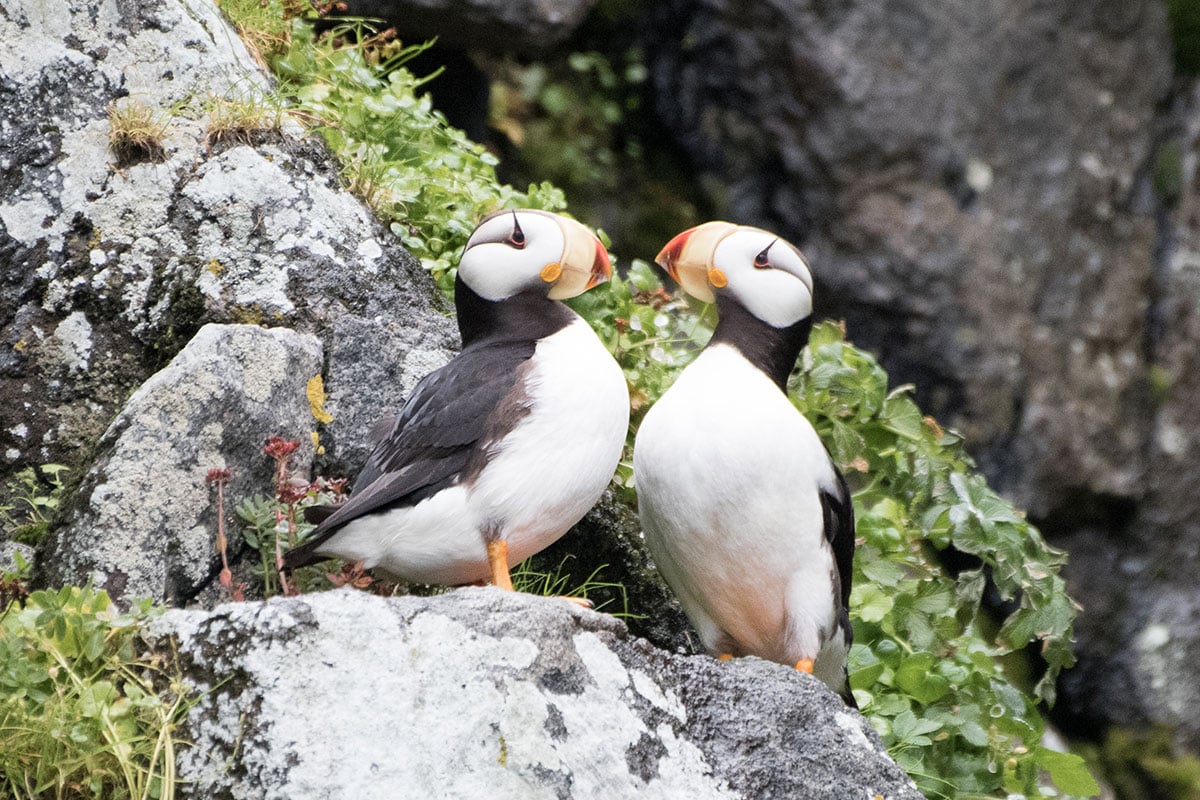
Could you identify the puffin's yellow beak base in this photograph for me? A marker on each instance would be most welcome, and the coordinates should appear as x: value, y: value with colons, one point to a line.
x: 584, y: 262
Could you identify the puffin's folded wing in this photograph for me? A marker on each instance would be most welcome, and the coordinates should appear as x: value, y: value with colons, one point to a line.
x: 443, y: 432
x: 838, y: 511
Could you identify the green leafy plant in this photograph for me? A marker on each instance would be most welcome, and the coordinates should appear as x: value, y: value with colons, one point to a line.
x: 926, y: 662
x: 36, y: 493
x: 83, y: 712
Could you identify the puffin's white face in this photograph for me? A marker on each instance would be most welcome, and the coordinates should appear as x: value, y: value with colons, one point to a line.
x: 513, y: 251
x: 765, y: 274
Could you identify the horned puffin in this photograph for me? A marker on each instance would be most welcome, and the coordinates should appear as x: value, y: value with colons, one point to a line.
x: 746, y: 516
x: 495, y: 455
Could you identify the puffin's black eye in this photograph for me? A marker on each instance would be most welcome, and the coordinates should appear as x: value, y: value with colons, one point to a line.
x: 761, y: 261
x: 517, y: 237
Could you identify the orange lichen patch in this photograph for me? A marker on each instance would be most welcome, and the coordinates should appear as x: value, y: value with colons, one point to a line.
x: 316, y: 400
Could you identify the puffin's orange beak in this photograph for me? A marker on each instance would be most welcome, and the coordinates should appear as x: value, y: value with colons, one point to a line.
x: 669, y: 256
x: 601, y: 266
x: 688, y: 258
x: 584, y: 262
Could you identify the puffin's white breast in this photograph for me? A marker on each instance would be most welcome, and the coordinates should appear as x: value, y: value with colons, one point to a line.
x: 557, y: 462
x: 728, y: 476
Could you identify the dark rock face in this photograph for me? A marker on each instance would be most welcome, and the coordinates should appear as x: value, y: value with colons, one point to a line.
x: 1136, y: 575
x: 503, y: 26
x: 482, y: 692
x: 973, y: 187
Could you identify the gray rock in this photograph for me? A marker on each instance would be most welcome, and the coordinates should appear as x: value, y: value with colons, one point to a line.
x: 113, y: 264
x: 498, y: 26
x: 481, y: 692
x: 10, y: 551
x: 144, y: 521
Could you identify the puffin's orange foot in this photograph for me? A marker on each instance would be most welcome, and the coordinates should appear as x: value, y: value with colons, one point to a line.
x: 805, y: 665
x: 725, y: 657
x: 497, y: 552
x: 582, y: 602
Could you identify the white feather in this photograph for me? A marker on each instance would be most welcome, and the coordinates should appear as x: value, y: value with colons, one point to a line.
x: 728, y: 476
x: 549, y: 471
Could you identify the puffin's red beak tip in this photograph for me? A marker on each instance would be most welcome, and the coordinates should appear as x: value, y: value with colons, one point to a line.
x: 601, y: 266
x: 669, y: 256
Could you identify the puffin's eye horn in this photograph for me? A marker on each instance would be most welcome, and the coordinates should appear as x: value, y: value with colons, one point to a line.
x: 517, y: 237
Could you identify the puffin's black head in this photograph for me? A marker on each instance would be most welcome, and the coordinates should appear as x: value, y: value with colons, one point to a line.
x: 512, y: 252
x: 762, y: 273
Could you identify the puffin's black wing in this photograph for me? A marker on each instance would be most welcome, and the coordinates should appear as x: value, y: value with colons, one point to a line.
x: 442, y: 435
x: 838, y: 512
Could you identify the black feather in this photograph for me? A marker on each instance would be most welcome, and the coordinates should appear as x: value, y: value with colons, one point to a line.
x: 837, y: 511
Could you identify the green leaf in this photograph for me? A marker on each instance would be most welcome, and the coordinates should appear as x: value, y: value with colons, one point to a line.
x: 871, y: 603
x: 1068, y: 771
x: 916, y: 677
x: 912, y: 730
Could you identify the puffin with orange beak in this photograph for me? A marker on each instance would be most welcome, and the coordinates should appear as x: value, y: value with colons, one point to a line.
x: 743, y: 510
x: 495, y: 455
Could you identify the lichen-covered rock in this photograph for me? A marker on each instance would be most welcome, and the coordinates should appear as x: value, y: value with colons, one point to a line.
x: 144, y: 521
x: 484, y: 693
x: 113, y: 260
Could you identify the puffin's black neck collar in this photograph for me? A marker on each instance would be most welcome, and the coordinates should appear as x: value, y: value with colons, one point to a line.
x: 524, y: 317
x: 772, y: 350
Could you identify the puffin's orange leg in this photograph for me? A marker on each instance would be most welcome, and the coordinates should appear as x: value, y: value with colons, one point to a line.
x: 725, y: 656
x: 805, y: 665
x: 497, y: 552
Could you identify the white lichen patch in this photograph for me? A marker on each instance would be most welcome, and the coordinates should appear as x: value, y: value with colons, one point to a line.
x: 663, y: 700
x: 852, y: 726
x: 72, y: 339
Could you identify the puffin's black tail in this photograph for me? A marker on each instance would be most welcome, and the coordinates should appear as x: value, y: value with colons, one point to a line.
x: 305, y: 555
x: 847, y: 695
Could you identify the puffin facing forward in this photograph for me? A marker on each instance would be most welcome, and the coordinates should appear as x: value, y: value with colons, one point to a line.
x: 745, y: 514
x: 495, y: 455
